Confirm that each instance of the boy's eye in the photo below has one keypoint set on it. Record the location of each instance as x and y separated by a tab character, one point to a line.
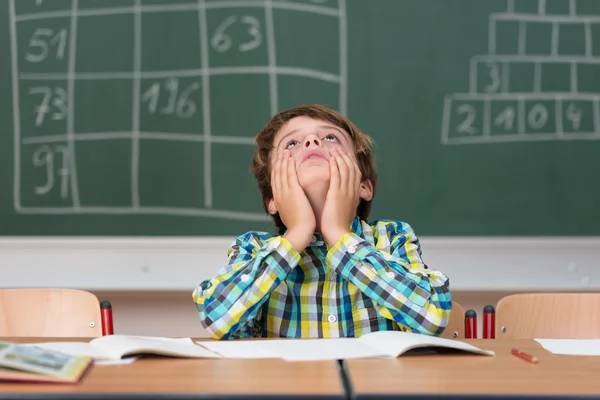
330	138
291	144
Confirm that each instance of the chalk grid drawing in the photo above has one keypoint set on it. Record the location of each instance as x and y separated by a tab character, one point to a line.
540	80
45	55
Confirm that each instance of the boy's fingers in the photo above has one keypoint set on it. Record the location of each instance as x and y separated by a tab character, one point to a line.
353	174
343	168
334	179
276	176
293	174
356	174
285	164
351	171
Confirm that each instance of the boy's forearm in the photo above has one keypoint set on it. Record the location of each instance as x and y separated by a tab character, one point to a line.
404	290
245	286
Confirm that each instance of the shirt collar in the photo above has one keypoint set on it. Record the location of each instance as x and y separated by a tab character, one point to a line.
356	226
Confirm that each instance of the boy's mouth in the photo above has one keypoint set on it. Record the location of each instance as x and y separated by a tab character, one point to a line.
313	154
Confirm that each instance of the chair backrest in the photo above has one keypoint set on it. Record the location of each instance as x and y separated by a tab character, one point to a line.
49	312
549	315
456	326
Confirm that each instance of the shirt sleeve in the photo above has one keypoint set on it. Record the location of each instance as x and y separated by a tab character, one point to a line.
230	302
393	275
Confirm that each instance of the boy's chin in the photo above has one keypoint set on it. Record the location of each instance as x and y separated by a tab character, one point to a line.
313	178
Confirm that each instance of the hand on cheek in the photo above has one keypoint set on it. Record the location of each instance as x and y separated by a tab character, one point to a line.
343	196
291	202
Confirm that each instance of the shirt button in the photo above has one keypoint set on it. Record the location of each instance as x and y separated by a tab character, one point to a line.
331	318
351	249
391	275
205	285
314	239
244	278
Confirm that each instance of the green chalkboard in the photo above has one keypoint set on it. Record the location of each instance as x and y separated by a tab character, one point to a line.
136	117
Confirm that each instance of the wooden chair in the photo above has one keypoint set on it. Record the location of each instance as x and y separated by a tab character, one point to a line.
50	313
456	325
549	315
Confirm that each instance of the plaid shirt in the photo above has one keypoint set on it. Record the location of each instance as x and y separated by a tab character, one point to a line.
373	279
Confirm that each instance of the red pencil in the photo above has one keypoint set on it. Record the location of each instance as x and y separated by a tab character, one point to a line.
524	356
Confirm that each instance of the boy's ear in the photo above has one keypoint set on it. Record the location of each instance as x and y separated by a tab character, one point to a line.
366	190
271	207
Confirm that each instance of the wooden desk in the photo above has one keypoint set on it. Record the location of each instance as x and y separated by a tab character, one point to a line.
171	378
452	375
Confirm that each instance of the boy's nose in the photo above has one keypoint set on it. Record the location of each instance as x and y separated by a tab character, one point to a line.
312	141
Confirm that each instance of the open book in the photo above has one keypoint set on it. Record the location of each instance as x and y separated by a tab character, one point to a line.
115	347
383	344
20	362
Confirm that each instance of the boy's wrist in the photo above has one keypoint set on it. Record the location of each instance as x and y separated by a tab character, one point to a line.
335	235
299	238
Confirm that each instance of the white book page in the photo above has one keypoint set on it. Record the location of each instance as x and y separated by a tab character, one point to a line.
187	341
574	347
113	347
239	348
395	343
117	346
322	349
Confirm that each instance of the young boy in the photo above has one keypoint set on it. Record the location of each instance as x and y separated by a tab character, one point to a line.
327	272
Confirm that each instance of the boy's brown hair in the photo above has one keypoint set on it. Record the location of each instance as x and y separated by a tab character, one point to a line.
261	165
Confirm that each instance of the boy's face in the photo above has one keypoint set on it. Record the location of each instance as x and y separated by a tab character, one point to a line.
309	142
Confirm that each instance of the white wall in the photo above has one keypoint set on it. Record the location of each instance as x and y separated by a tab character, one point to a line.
479	264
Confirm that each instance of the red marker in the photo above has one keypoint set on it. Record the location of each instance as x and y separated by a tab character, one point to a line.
107	318
489	322
470	324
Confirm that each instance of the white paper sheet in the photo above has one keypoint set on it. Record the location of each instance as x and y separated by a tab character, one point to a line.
238	349
323	349
294	349
575	347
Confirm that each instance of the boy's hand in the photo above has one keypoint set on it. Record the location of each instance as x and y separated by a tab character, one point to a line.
343	196
291	201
